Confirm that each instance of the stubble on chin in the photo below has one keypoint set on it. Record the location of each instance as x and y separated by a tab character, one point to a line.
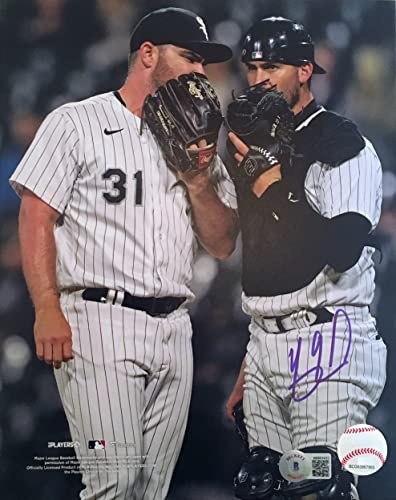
293	98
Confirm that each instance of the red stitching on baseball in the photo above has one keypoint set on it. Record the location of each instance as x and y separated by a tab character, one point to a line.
368	428
363	451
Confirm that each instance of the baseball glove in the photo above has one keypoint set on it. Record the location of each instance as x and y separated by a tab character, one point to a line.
180	114
264	121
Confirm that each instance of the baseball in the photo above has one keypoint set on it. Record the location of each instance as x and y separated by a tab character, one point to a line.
362	449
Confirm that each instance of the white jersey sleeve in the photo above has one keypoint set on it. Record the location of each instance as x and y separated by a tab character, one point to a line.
223	183
50	166
354	186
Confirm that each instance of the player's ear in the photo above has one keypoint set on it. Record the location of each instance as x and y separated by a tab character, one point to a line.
305	72
149	54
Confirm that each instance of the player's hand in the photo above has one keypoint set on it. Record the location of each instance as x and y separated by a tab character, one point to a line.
195	179
235	397
202	143
53	336
241	147
267	178
191	174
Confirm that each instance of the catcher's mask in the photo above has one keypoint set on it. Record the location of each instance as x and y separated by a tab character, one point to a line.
276	39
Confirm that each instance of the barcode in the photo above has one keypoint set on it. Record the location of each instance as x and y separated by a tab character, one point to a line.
320	467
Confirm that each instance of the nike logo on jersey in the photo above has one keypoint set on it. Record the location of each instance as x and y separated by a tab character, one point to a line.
291	197
109	132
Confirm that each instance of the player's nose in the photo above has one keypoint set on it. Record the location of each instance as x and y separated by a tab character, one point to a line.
199	68
262	78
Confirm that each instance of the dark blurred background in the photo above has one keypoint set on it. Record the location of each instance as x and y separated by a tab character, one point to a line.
54	51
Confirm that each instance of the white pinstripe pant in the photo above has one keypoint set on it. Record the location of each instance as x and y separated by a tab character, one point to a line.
130	383
276	419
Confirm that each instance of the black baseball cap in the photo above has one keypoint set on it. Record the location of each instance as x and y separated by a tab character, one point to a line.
180	27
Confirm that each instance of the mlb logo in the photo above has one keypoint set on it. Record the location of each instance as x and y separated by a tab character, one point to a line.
258	54
97	444
296	466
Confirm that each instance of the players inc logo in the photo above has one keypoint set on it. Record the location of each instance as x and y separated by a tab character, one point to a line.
63	444
97	444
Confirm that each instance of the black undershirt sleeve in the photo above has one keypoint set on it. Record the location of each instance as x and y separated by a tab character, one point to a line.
348	235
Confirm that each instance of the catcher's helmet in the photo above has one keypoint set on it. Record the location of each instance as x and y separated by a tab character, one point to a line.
280	40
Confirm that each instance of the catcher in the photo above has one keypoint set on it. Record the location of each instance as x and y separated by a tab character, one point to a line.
309	194
108	235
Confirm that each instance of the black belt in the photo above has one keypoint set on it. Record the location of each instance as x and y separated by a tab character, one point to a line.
160	306
299	319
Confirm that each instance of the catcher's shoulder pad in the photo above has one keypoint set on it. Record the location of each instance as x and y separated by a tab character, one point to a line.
330	138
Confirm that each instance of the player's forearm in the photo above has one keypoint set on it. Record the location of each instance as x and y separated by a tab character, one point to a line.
237	392
36	233
266	179
241	377
215	224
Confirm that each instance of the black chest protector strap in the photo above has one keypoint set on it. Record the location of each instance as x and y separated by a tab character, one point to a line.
286	243
329	138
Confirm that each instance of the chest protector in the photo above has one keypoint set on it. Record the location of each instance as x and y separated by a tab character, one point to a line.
285	241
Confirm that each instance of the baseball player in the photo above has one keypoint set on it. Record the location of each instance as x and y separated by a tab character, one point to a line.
108	234
307	199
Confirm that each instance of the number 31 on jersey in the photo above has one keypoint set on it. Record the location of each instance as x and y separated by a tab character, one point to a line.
118	192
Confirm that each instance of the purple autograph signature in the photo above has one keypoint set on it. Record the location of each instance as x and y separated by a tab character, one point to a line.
316	351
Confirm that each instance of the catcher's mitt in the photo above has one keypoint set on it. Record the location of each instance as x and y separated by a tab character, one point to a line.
264	121
181	113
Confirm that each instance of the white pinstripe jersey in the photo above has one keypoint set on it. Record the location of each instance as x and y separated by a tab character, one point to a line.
127	223
354	186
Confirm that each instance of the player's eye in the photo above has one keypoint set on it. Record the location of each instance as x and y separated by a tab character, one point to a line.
193	58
